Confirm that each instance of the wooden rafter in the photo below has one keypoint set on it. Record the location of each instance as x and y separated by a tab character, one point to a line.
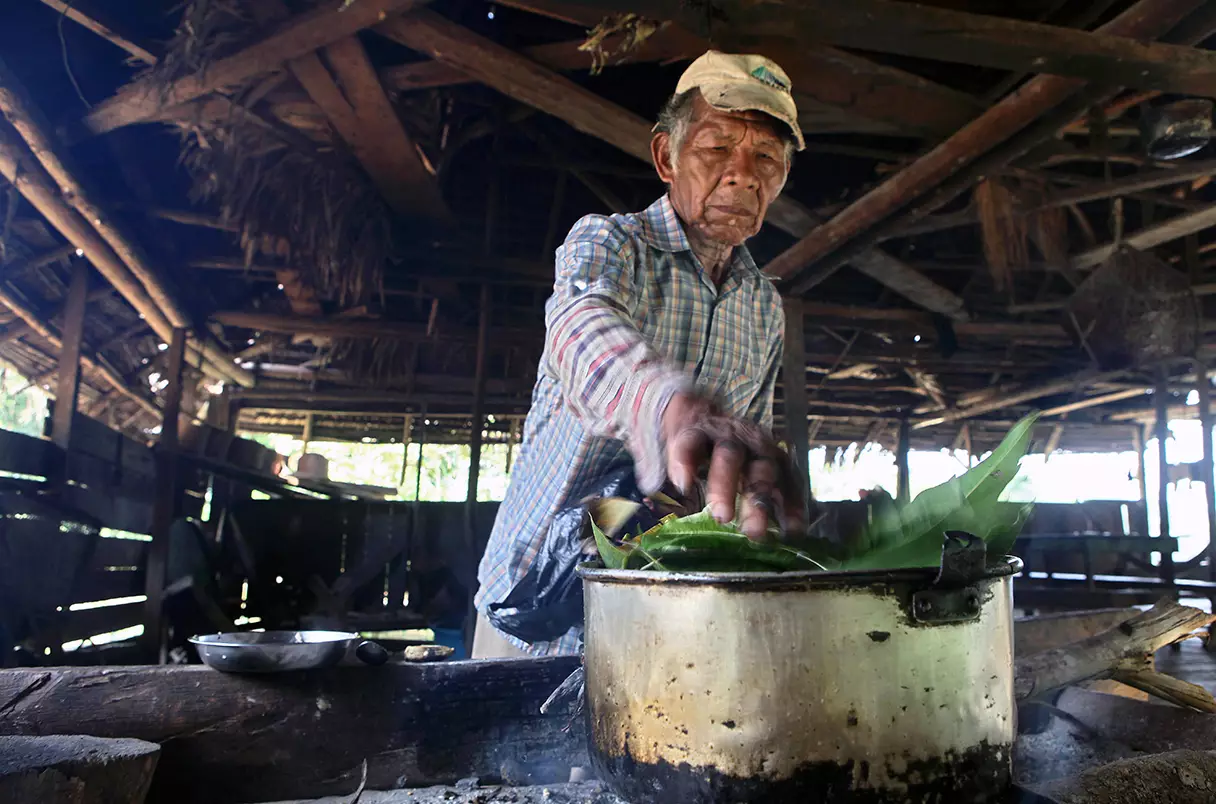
924	31
1148	18
1151	236
530	83
98	365
143	100
81	12
356	105
907	103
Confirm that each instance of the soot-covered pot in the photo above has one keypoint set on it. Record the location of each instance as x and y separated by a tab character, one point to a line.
798	687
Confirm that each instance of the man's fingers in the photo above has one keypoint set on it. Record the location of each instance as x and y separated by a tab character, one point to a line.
725	469
758	489
685	454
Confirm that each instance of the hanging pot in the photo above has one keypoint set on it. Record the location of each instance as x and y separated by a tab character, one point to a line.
1177	129
795	687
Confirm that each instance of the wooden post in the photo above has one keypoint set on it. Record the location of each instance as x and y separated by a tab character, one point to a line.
308	421
903	487
164	507
1161	401
479	394
69	356
512	439
418	472
1138	440
407	430
793	384
1204	387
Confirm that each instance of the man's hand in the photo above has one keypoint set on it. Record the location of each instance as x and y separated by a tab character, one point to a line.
743	459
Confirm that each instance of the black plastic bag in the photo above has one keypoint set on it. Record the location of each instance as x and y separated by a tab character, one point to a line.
548	600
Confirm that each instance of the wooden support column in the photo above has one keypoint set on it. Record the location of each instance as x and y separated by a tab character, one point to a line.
1204	388
69	356
308	421
1161	402
903	486
479	396
407	431
793	384
1138	440
164	507
512	440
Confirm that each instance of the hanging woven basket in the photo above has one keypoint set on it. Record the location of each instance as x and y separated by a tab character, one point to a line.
1133	310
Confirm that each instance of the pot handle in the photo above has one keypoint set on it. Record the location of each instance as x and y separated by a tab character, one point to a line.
372	653
964	558
953	596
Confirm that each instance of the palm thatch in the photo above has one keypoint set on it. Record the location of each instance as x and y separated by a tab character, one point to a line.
1004	231
306	202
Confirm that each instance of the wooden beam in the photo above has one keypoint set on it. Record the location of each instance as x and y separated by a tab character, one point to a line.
793	384
97	365
1151	236
98	24
69	357
215	747
354	101
143	100
1094	401
669	44
1148	18
1063	385
356	328
20	329
1108	54
530	83
823	75
477	416
1137	182
54	191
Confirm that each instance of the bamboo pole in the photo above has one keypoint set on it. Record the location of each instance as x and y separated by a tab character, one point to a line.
138	283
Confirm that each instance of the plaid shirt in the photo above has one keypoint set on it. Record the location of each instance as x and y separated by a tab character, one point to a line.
633	319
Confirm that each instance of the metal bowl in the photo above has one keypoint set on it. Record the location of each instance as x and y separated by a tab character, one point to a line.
281	651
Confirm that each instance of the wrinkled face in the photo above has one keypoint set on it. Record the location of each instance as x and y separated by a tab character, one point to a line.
730	167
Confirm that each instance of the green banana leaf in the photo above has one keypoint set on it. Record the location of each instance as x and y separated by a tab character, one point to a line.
897	536
900	537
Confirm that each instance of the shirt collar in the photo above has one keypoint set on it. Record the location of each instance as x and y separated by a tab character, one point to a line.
664	231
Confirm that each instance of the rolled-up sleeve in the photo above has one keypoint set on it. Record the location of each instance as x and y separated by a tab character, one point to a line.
610	377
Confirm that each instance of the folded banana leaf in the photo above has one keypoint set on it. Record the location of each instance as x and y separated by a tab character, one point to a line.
898	536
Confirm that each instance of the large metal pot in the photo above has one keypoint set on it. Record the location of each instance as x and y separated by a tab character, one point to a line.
806	687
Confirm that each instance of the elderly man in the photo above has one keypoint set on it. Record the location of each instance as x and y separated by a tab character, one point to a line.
663	338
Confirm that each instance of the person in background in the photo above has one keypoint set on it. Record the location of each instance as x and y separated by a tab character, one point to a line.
663	337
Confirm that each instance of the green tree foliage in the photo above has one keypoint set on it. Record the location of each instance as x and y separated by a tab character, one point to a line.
22	406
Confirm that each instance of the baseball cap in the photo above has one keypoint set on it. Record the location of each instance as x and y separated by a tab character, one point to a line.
736	82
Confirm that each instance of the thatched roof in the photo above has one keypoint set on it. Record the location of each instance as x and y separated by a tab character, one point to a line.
322	188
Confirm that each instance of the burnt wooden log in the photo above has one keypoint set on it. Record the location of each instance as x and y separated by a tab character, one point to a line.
75	770
302	735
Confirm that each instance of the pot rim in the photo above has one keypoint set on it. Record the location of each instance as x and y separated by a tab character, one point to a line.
1008	566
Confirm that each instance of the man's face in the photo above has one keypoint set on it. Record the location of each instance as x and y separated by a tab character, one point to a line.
730	167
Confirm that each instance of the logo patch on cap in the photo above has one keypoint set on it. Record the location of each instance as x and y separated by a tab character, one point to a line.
766	76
